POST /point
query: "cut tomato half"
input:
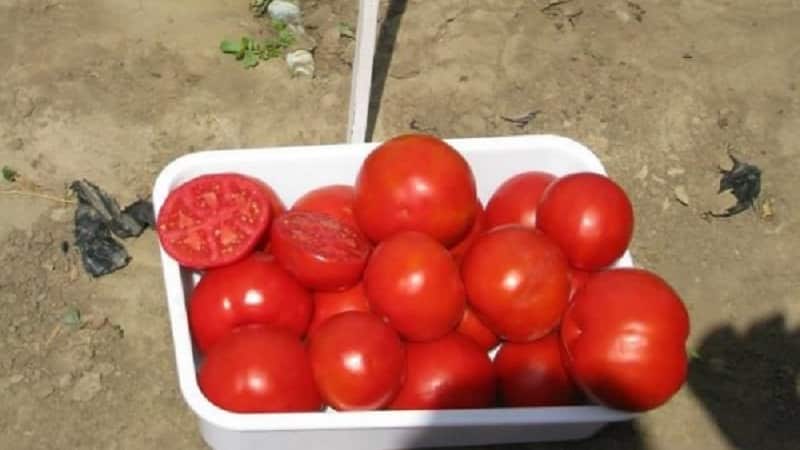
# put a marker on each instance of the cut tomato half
(214, 220)
(322, 252)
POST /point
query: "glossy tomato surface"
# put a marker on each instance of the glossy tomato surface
(517, 282)
(478, 227)
(451, 372)
(590, 217)
(336, 200)
(255, 290)
(516, 200)
(472, 327)
(259, 369)
(412, 281)
(358, 361)
(577, 278)
(214, 220)
(532, 374)
(624, 337)
(329, 304)
(415, 182)
(323, 253)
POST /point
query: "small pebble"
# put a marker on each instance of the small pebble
(642, 174)
(16, 378)
(675, 171)
(284, 11)
(60, 215)
(64, 380)
(301, 63)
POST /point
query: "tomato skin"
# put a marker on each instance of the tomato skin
(479, 226)
(472, 327)
(412, 281)
(577, 278)
(329, 304)
(451, 372)
(358, 361)
(517, 199)
(624, 338)
(259, 368)
(214, 219)
(323, 253)
(532, 374)
(255, 290)
(335, 199)
(517, 282)
(415, 182)
(590, 217)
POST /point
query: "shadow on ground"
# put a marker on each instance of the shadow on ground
(749, 384)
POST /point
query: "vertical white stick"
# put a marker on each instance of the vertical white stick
(361, 83)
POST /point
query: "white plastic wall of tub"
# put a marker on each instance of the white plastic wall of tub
(292, 171)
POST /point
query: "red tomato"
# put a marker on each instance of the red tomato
(214, 220)
(532, 374)
(452, 372)
(412, 281)
(478, 227)
(472, 327)
(255, 290)
(517, 282)
(336, 200)
(358, 361)
(257, 369)
(624, 336)
(517, 198)
(577, 278)
(415, 182)
(329, 304)
(322, 252)
(589, 216)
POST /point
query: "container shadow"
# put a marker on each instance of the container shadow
(617, 436)
(384, 49)
(748, 382)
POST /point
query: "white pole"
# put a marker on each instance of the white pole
(360, 85)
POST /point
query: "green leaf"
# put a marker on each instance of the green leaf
(250, 60)
(278, 25)
(10, 174)
(346, 30)
(72, 317)
(230, 46)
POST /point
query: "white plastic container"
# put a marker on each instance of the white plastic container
(292, 171)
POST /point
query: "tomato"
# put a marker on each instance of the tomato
(451, 372)
(329, 304)
(322, 252)
(532, 374)
(478, 227)
(336, 200)
(472, 327)
(517, 199)
(589, 216)
(358, 361)
(415, 182)
(255, 290)
(213, 220)
(517, 282)
(412, 281)
(577, 278)
(258, 369)
(624, 336)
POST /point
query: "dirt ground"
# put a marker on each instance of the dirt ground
(112, 90)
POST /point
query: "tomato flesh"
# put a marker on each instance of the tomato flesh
(336, 200)
(215, 219)
(323, 253)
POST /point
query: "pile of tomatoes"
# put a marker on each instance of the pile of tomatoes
(404, 291)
